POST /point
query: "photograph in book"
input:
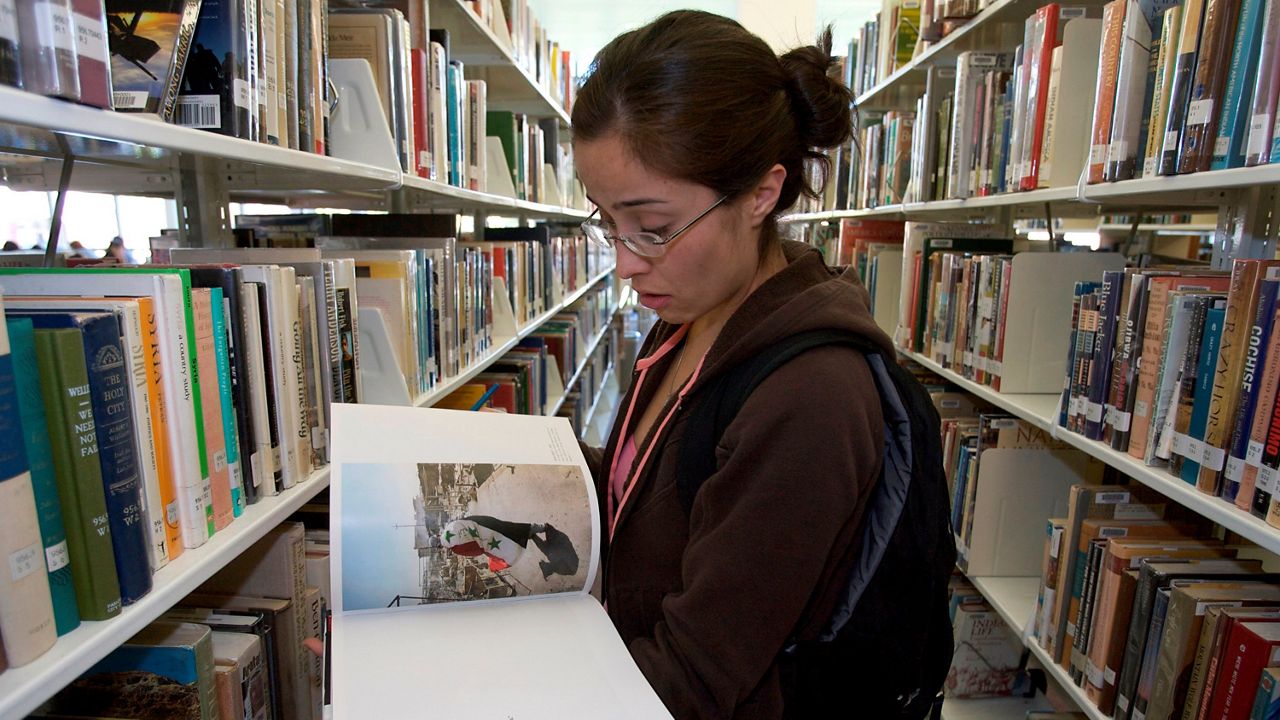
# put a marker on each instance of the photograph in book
(442, 532)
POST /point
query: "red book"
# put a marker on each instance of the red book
(1046, 20)
(92, 55)
(422, 138)
(1251, 647)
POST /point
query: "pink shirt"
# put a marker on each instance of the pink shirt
(621, 471)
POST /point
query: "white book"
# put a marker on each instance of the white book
(1131, 82)
(279, 351)
(1081, 46)
(300, 428)
(172, 305)
(477, 104)
(412, 490)
(439, 72)
(1050, 118)
(262, 467)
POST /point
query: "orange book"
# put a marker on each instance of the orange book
(165, 469)
(1116, 588)
(211, 401)
(1112, 37)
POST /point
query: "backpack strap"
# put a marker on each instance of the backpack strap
(718, 402)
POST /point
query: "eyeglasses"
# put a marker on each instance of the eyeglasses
(646, 244)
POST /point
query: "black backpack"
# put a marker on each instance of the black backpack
(885, 651)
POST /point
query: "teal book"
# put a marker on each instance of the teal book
(455, 113)
(229, 424)
(53, 534)
(1237, 98)
(1213, 320)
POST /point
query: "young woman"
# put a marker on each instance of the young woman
(692, 137)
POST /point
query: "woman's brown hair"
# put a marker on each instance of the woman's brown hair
(699, 98)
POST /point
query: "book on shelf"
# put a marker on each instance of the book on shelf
(47, 39)
(93, 56)
(39, 452)
(238, 675)
(149, 48)
(1260, 147)
(1218, 624)
(218, 91)
(166, 665)
(504, 509)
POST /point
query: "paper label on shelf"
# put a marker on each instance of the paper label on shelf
(63, 30)
(91, 38)
(1201, 607)
(1213, 458)
(9, 21)
(1267, 479)
(1222, 146)
(1093, 412)
(1199, 112)
(1113, 532)
(1111, 498)
(1171, 138)
(129, 99)
(949, 404)
(1097, 154)
(1138, 511)
(24, 561)
(243, 94)
(1004, 424)
(57, 556)
(1123, 421)
(1253, 455)
(1235, 469)
(1259, 127)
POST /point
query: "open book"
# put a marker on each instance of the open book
(464, 546)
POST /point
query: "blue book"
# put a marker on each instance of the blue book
(53, 534)
(454, 111)
(1250, 385)
(1237, 97)
(109, 384)
(1205, 368)
(1100, 368)
(1155, 633)
(217, 310)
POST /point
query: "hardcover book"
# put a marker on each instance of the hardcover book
(487, 535)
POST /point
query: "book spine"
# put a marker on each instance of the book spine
(452, 100)
(1266, 91)
(424, 159)
(26, 606)
(1210, 349)
(176, 513)
(272, 370)
(298, 377)
(1261, 419)
(1112, 40)
(302, 62)
(232, 297)
(1200, 134)
(211, 412)
(1251, 381)
(10, 55)
(1101, 370)
(215, 93)
(261, 469)
(64, 385)
(1135, 58)
(93, 59)
(53, 533)
(1241, 304)
(1147, 675)
(250, 39)
(269, 72)
(149, 474)
(1170, 36)
(1181, 88)
(1178, 420)
(1233, 118)
(220, 311)
(49, 65)
(168, 100)
(1131, 357)
(1269, 465)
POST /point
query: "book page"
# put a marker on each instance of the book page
(433, 506)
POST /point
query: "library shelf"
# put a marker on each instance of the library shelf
(503, 345)
(1063, 679)
(486, 56)
(982, 31)
(25, 688)
(1013, 598)
(1041, 410)
(435, 195)
(996, 708)
(556, 403)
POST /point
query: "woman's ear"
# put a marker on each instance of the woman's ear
(765, 195)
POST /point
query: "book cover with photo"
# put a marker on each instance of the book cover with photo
(464, 547)
(150, 41)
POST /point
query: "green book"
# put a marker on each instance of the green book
(503, 125)
(40, 457)
(68, 405)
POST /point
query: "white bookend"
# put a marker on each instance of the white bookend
(358, 128)
(499, 177)
(1081, 45)
(1039, 319)
(1017, 490)
(382, 380)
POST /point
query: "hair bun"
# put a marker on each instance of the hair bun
(821, 103)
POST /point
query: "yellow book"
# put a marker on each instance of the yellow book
(160, 427)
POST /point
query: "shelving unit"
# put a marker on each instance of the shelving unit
(23, 689)
(577, 373)
(486, 57)
(132, 154)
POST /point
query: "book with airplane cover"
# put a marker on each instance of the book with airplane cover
(476, 532)
(149, 41)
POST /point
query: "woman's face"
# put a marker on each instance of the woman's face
(708, 269)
